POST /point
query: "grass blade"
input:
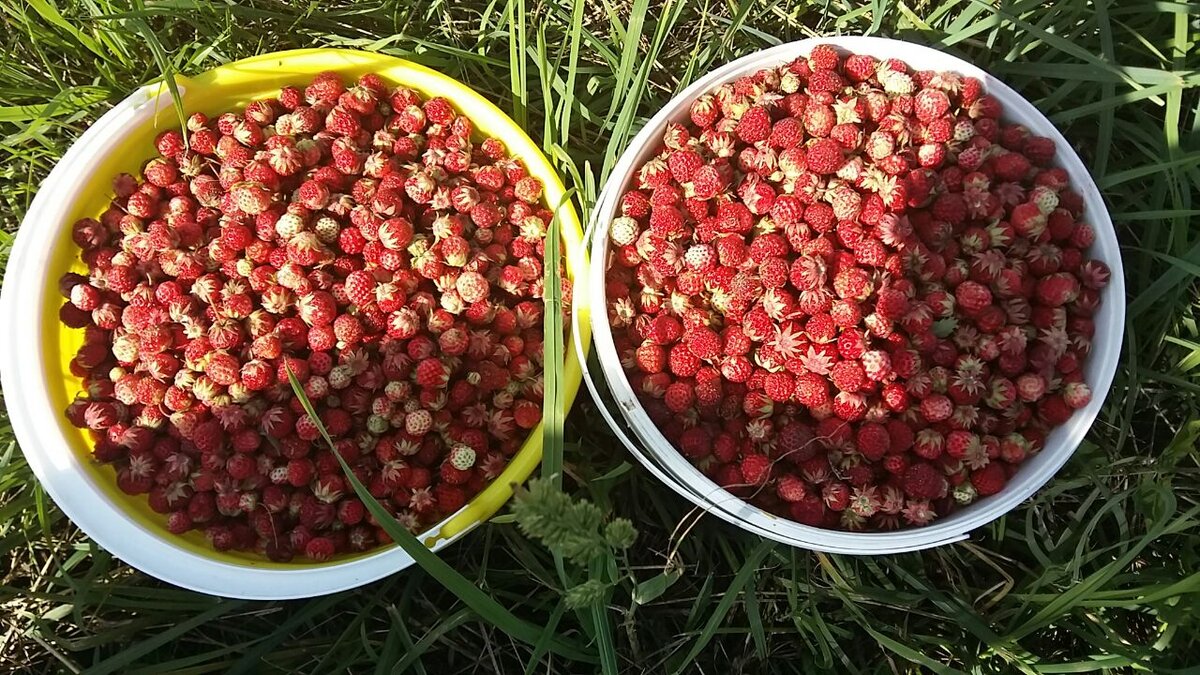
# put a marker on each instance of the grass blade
(129, 655)
(543, 644)
(749, 569)
(164, 64)
(444, 626)
(554, 353)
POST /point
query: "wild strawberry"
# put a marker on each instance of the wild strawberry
(1094, 275)
(791, 488)
(950, 207)
(682, 362)
(873, 441)
(461, 457)
(1058, 289)
(527, 414)
(1028, 220)
(754, 126)
(316, 308)
(707, 182)
(819, 118)
(360, 287)
(989, 480)
(779, 387)
(835, 495)
(1031, 387)
(936, 408)
(849, 406)
(257, 375)
(823, 57)
(736, 369)
(918, 512)
(418, 422)
(961, 444)
(319, 549)
(348, 329)
(666, 222)
(703, 342)
(852, 284)
(923, 481)
(703, 111)
(930, 104)
(755, 469)
(251, 198)
(679, 396)
(1053, 410)
(786, 133)
(972, 297)
(432, 373)
(1076, 395)
(859, 67)
(877, 365)
(528, 189)
(700, 258)
(848, 376)
(864, 502)
(665, 330)
(624, 231)
(472, 287)
(1010, 166)
(222, 368)
(824, 157)
(650, 357)
(895, 397)
(683, 164)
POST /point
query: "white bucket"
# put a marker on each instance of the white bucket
(655, 452)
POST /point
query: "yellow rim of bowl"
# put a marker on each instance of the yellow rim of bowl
(230, 87)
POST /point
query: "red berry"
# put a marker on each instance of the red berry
(754, 126)
(848, 376)
(989, 480)
(755, 469)
(873, 441)
(924, 481)
(679, 397)
(823, 57)
(824, 157)
(973, 297)
(791, 488)
(936, 408)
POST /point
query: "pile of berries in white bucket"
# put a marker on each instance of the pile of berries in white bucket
(855, 290)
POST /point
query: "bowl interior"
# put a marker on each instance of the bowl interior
(1038, 469)
(231, 87)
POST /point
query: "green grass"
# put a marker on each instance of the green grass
(1100, 571)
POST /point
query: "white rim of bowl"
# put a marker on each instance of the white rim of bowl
(698, 488)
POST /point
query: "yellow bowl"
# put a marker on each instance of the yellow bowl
(80, 186)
